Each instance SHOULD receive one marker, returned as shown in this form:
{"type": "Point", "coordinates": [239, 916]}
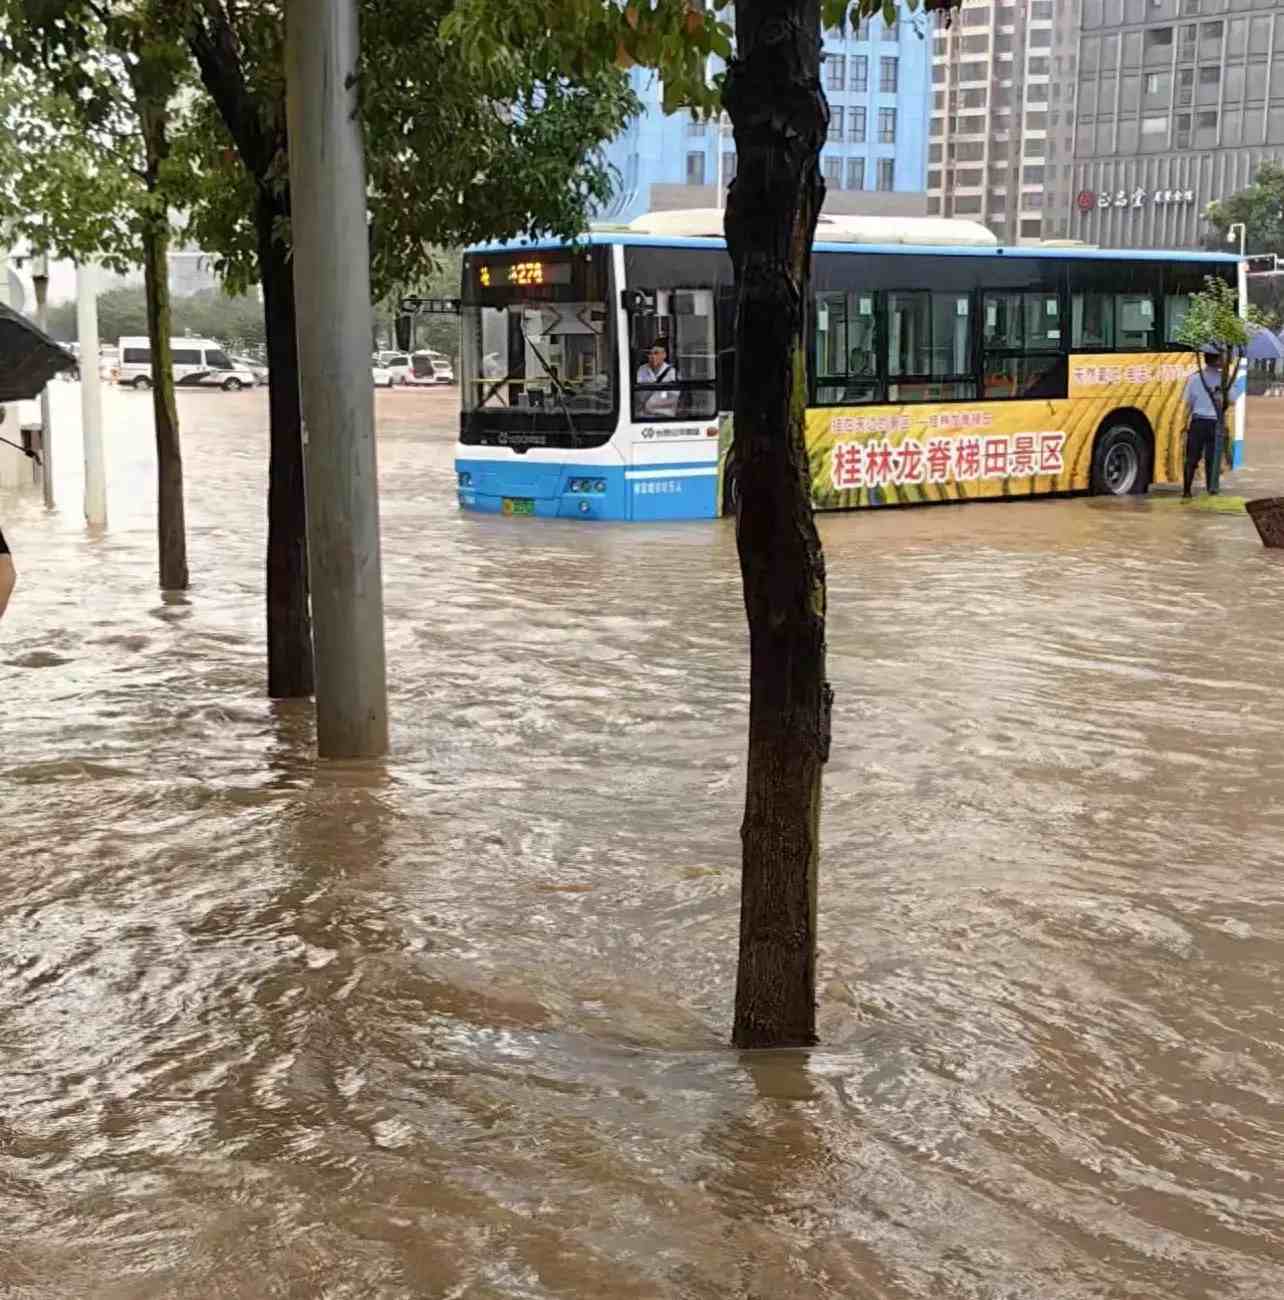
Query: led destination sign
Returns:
{"type": "Point", "coordinates": [501, 275]}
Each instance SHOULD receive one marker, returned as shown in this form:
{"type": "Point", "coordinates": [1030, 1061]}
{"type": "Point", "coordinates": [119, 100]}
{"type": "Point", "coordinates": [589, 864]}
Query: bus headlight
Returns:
{"type": "Point", "coordinates": [581, 485]}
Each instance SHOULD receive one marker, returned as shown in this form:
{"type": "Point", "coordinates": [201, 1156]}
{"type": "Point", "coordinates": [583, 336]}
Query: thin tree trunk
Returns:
{"type": "Point", "coordinates": [171, 521]}
{"type": "Point", "coordinates": [289, 624]}
{"type": "Point", "coordinates": [260, 141]}
{"type": "Point", "coordinates": [780, 118]}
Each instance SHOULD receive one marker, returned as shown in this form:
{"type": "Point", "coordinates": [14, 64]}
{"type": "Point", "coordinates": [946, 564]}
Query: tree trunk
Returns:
{"type": "Point", "coordinates": [289, 624]}
{"type": "Point", "coordinates": [171, 522]}
{"type": "Point", "coordinates": [780, 118]}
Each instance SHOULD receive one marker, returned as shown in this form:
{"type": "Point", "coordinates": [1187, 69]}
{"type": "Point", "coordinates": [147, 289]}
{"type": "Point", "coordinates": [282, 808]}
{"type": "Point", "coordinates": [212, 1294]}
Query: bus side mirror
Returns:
{"type": "Point", "coordinates": [402, 327]}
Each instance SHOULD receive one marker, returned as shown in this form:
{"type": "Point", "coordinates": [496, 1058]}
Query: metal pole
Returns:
{"type": "Point", "coordinates": [91, 398]}
{"type": "Point", "coordinates": [40, 278]}
{"type": "Point", "coordinates": [332, 296]}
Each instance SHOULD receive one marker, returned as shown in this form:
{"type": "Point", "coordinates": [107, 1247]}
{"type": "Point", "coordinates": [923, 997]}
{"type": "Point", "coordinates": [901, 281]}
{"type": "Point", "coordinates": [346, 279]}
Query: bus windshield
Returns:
{"type": "Point", "coordinates": [538, 341]}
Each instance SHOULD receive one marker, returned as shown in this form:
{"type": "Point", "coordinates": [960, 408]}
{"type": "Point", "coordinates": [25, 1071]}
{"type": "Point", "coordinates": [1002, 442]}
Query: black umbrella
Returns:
{"type": "Point", "coordinates": [29, 358]}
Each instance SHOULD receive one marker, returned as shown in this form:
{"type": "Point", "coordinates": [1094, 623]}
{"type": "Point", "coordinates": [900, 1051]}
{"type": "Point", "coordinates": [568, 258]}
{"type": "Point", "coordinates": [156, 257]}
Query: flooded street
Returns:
{"type": "Point", "coordinates": [455, 1025]}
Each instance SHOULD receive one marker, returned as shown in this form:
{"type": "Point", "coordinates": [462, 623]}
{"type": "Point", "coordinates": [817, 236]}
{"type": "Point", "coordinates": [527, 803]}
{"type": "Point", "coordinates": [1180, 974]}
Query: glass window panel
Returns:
{"type": "Point", "coordinates": [1134, 320]}
{"type": "Point", "coordinates": [1092, 321]}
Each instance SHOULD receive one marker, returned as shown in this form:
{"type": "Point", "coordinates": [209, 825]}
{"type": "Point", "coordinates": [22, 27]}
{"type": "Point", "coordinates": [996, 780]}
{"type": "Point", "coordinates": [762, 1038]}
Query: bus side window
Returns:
{"type": "Point", "coordinates": [726, 339]}
{"type": "Point", "coordinates": [1021, 334]}
{"type": "Point", "coordinates": [846, 338]}
{"type": "Point", "coordinates": [1176, 307]}
{"type": "Point", "coordinates": [1093, 321]}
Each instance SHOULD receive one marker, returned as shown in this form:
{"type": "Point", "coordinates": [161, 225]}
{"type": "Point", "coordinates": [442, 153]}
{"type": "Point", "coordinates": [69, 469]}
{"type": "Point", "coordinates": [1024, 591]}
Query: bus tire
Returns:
{"type": "Point", "coordinates": [730, 490]}
{"type": "Point", "coordinates": [232, 385]}
{"type": "Point", "coordinates": [1121, 459]}
{"type": "Point", "coordinates": [142, 383]}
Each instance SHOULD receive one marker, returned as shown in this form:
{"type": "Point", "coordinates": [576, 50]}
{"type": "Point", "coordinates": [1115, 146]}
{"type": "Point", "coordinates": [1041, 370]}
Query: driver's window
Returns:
{"type": "Point", "coordinates": [674, 357]}
{"type": "Point", "coordinates": [217, 359]}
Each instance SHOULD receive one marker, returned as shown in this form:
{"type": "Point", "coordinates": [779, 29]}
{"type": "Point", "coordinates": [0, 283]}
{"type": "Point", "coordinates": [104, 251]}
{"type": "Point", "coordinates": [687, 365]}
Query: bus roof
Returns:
{"type": "Point", "coordinates": [608, 237]}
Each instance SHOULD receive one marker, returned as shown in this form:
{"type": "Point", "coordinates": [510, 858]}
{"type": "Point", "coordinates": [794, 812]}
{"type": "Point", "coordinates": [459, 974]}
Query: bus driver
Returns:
{"type": "Point", "coordinates": [655, 370]}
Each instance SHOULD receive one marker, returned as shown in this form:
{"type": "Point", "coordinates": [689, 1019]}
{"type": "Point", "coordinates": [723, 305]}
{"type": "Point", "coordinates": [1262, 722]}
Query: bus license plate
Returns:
{"type": "Point", "coordinates": [519, 505]}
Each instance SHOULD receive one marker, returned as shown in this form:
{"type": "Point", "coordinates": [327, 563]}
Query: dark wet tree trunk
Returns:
{"type": "Point", "coordinates": [780, 118]}
{"type": "Point", "coordinates": [260, 140]}
{"type": "Point", "coordinates": [288, 619]}
{"type": "Point", "coordinates": [170, 516]}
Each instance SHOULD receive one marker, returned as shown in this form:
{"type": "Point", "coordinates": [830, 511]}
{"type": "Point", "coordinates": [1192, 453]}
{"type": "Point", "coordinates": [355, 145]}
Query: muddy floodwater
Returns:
{"type": "Point", "coordinates": [454, 1025]}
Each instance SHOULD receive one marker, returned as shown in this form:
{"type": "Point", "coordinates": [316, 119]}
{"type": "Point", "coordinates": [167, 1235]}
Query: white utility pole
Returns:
{"type": "Point", "coordinates": [91, 398]}
{"type": "Point", "coordinates": [332, 298]}
{"type": "Point", "coordinates": [40, 278]}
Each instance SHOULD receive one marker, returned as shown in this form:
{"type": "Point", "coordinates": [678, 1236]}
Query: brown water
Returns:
{"type": "Point", "coordinates": [454, 1025]}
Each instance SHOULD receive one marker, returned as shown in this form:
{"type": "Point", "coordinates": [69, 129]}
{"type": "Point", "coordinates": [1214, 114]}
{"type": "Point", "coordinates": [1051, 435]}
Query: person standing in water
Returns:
{"type": "Point", "coordinates": [1203, 441]}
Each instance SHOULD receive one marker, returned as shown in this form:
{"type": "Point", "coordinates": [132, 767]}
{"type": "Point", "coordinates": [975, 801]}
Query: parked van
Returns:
{"type": "Point", "coordinates": [198, 363]}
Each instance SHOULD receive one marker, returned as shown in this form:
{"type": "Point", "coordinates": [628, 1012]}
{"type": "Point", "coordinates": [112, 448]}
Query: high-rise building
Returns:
{"type": "Point", "coordinates": [876, 80]}
{"type": "Point", "coordinates": [1178, 102]}
{"type": "Point", "coordinates": [1002, 122]}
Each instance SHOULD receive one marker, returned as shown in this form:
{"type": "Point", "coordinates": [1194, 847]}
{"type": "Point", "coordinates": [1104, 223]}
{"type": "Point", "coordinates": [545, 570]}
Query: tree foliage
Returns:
{"type": "Point", "coordinates": [74, 183]}
{"type": "Point", "coordinates": [1261, 209]}
{"type": "Point", "coordinates": [1214, 321]}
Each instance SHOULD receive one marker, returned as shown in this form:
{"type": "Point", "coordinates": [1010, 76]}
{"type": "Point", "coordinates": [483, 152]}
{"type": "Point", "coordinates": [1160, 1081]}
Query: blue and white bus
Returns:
{"type": "Point", "coordinates": [942, 367]}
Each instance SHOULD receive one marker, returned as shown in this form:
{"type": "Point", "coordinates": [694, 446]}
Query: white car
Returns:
{"type": "Point", "coordinates": [382, 376]}
{"type": "Point", "coordinates": [398, 364]}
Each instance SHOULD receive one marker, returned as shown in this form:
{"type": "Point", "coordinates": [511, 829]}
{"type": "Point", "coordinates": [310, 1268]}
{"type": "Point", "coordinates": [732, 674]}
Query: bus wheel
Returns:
{"type": "Point", "coordinates": [1119, 460]}
{"type": "Point", "coordinates": [232, 385]}
{"type": "Point", "coordinates": [142, 383]}
{"type": "Point", "coordinates": [730, 490]}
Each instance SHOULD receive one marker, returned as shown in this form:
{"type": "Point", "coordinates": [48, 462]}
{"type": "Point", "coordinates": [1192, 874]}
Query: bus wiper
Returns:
{"type": "Point", "coordinates": [557, 386]}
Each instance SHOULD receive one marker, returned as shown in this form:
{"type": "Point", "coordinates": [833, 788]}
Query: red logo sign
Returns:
{"type": "Point", "coordinates": [1087, 200]}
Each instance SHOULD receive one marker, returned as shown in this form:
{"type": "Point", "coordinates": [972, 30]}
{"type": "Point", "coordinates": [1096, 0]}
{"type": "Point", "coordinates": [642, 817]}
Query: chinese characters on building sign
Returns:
{"type": "Point", "coordinates": [1138, 198]}
{"type": "Point", "coordinates": [878, 463]}
{"type": "Point", "coordinates": [1129, 374]}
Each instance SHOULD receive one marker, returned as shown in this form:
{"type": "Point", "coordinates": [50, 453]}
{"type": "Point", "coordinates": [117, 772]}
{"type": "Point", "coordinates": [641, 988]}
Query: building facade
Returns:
{"type": "Point", "coordinates": [1001, 148]}
{"type": "Point", "coordinates": [876, 81]}
{"type": "Point", "coordinates": [1178, 103]}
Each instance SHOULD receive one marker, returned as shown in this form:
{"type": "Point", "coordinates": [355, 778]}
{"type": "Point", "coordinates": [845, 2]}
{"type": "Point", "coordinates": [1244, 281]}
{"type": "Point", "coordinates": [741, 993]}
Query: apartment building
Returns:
{"type": "Point", "coordinates": [1178, 103]}
{"type": "Point", "coordinates": [1001, 146]}
{"type": "Point", "coordinates": [876, 80]}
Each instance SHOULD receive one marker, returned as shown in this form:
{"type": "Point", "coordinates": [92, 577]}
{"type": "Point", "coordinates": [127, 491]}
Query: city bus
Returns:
{"type": "Point", "coordinates": [942, 367]}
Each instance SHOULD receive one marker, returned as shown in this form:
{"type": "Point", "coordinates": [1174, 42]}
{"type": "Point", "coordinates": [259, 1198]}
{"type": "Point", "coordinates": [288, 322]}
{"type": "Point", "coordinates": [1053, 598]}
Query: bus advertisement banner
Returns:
{"type": "Point", "coordinates": [919, 452]}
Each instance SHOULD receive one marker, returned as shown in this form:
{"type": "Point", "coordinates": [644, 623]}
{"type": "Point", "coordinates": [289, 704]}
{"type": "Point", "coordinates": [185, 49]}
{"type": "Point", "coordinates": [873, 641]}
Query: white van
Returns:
{"type": "Point", "coordinates": [198, 363]}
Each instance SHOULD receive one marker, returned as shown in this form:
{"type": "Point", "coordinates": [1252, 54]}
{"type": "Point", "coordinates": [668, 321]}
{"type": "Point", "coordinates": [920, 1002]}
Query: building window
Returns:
{"type": "Point", "coordinates": [860, 72]}
{"type": "Point", "coordinates": [886, 126]}
{"type": "Point", "coordinates": [1159, 41]}
{"type": "Point", "coordinates": [1032, 228]}
{"type": "Point", "coordinates": [835, 72]}
{"type": "Point", "coordinates": [695, 169]}
{"type": "Point", "coordinates": [887, 75]}
{"type": "Point", "coordinates": [1182, 134]}
{"type": "Point", "coordinates": [833, 171]}
{"type": "Point", "coordinates": [855, 173]}
{"type": "Point", "coordinates": [835, 123]}
{"type": "Point", "coordinates": [886, 173]}
{"type": "Point", "coordinates": [695, 126]}
{"type": "Point", "coordinates": [856, 125]}
{"type": "Point", "coordinates": [891, 31]}
{"type": "Point", "coordinates": [1190, 8]}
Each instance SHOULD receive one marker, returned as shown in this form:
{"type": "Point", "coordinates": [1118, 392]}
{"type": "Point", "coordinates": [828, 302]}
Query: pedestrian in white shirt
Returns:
{"type": "Point", "coordinates": [1203, 441]}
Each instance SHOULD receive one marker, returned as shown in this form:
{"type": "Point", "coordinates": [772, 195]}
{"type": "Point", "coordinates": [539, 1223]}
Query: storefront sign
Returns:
{"type": "Point", "coordinates": [1138, 198]}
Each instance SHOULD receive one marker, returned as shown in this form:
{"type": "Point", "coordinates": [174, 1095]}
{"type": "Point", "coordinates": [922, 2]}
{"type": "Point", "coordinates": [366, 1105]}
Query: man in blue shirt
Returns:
{"type": "Point", "coordinates": [1204, 398]}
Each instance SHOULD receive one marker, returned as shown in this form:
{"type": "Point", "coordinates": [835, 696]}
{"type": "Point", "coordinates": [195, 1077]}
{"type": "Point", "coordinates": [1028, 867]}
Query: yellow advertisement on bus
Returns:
{"type": "Point", "coordinates": [963, 450]}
